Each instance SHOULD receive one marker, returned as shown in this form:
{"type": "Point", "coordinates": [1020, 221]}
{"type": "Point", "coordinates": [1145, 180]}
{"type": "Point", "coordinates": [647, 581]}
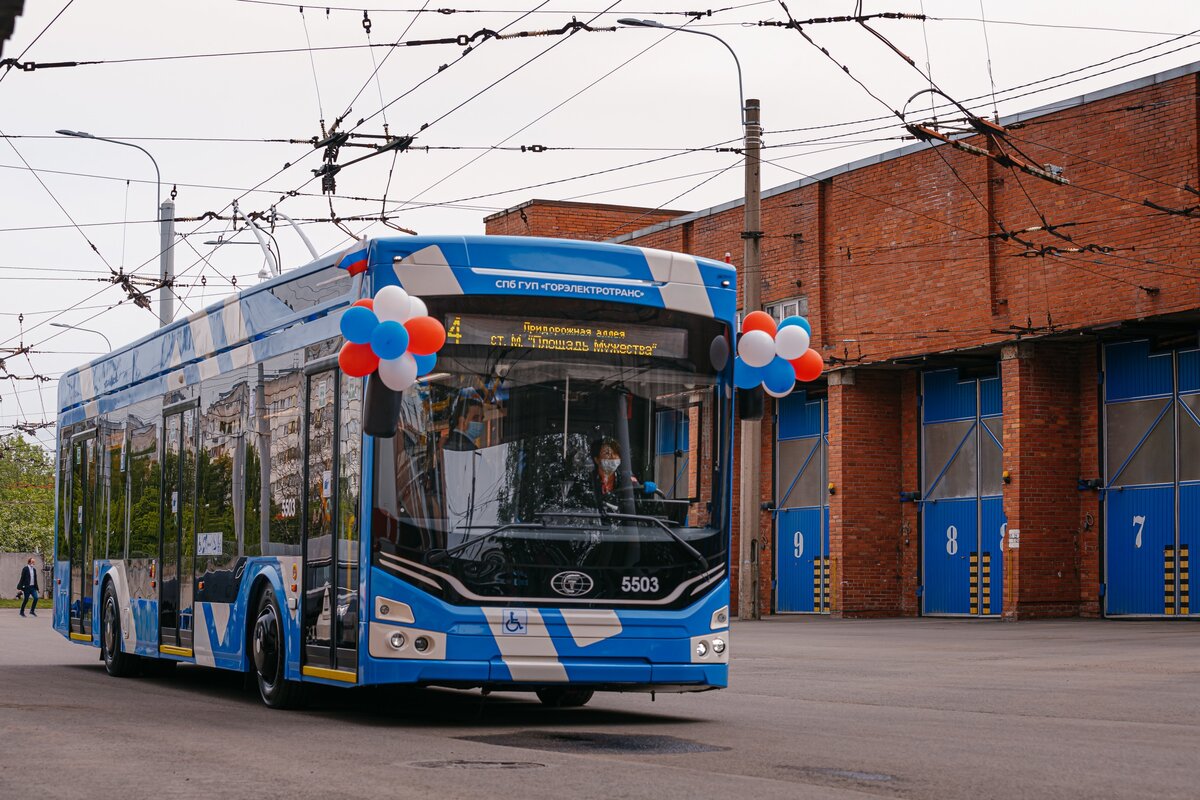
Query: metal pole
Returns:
{"type": "Point", "coordinates": [750, 482]}
{"type": "Point", "coordinates": [166, 260]}
{"type": "Point", "coordinates": [166, 224]}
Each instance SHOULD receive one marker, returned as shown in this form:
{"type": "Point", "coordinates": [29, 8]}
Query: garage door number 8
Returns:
{"type": "Point", "coordinates": [951, 540]}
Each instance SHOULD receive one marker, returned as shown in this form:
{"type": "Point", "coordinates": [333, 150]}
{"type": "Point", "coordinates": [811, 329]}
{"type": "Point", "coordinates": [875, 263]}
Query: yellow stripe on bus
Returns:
{"type": "Point", "coordinates": [345, 676]}
{"type": "Point", "coordinates": [171, 650]}
{"type": "Point", "coordinates": [81, 637]}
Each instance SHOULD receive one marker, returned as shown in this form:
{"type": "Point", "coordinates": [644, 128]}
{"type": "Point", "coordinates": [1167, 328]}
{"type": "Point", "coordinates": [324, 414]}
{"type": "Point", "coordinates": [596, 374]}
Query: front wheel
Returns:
{"type": "Point", "coordinates": [268, 650]}
{"type": "Point", "coordinates": [564, 696]}
{"type": "Point", "coordinates": [117, 663]}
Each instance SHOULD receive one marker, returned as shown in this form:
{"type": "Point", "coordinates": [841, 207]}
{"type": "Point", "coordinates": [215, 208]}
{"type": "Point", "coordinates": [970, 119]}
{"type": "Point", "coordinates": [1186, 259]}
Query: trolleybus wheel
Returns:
{"type": "Point", "coordinates": [564, 696]}
{"type": "Point", "coordinates": [269, 650]}
{"type": "Point", "coordinates": [118, 664]}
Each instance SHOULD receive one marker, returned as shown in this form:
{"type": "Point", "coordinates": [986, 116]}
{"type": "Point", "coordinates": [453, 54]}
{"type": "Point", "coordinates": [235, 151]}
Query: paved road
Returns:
{"type": "Point", "coordinates": [819, 708]}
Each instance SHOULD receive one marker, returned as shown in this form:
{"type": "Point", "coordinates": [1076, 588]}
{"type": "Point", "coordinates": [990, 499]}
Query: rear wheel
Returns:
{"type": "Point", "coordinates": [268, 650]}
{"type": "Point", "coordinates": [117, 663]}
{"type": "Point", "coordinates": [564, 696]}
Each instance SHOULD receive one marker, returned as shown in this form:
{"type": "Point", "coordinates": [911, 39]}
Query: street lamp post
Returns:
{"type": "Point", "coordinates": [78, 328]}
{"type": "Point", "coordinates": [166, 228]}
{"type": "Point", "coordinates": [750, 482]}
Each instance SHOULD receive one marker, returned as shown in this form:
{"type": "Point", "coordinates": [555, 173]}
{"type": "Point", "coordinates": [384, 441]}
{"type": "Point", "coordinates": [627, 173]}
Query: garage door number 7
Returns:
{"type": "Point", "coordinates": [1139, 522]}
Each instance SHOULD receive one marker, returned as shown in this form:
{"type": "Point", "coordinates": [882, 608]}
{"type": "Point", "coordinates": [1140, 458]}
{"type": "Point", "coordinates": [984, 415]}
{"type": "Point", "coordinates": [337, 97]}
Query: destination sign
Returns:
{"type": "Point", "coordinates": [604, 338]}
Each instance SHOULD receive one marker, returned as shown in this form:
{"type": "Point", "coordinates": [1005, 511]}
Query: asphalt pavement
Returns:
{"type": "Point", "coordinates": [818, 708]}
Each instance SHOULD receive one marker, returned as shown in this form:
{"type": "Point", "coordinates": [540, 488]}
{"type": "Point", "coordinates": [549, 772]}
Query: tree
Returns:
{"type": "Point", "coordinates": [26, 497]}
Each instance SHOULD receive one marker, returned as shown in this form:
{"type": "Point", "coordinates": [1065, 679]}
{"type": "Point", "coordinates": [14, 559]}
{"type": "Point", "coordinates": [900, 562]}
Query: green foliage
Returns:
{"type": "Point", "coordinates": [26, 497]}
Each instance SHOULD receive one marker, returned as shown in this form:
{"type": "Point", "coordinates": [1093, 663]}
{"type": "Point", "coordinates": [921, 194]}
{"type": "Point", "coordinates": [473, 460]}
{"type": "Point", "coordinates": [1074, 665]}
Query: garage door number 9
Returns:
{"type": "Point", "coordinates": [798, 544]}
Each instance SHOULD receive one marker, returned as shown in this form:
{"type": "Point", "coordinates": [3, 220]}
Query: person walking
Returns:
{"type": "Point", "coordinates": [28, 585]}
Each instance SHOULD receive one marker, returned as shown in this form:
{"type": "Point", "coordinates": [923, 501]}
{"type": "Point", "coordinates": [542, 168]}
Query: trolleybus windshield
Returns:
{"type": "Point", "coordinates": [558, 460]}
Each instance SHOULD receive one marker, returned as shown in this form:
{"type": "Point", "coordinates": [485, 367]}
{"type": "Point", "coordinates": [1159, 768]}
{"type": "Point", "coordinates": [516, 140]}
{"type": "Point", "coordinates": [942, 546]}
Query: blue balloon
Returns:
{"type": "Point", "coordinates": [358, 323]}
{"type": "Point", "coordinates": [390, 339]}
{"type": "Point", "coordinates": [794, 320]}
{"type": "Point", "coordinates": [778, 376]}
{"type": "Point", "coordinates": [746, 376]}
{"type": "Point", "coordinates": [425, 364]}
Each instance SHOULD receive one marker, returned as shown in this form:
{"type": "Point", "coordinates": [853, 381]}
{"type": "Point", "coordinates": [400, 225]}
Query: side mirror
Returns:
{"type": "Point", "coordinates": [381, 409]}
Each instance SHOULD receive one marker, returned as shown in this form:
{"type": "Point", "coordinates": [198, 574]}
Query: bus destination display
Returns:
{"type": "Point", "coordinates": [605, 338]}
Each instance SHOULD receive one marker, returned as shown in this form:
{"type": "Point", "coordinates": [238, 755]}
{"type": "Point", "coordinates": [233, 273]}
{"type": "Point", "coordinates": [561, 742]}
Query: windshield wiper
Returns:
{"type": "Point", "coordinates": [435, 557]}
{"type": "Point", "coordinates": [693, 552]}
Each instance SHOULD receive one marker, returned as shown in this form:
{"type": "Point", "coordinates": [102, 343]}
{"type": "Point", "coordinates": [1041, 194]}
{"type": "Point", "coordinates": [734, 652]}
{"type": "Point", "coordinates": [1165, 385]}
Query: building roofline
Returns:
{"type": "Point", "coordinates": [577, 204]}
{"type": "Point", "coordinates": [880, 158]}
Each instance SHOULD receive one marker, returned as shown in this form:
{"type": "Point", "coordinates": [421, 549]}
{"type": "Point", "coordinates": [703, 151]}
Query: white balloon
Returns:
{"type": "Point", "coordinates": [791, 342]}
{"type": "Point", "coordinates": [718, 352]}
{"type": "Point", "coordinates": [776, 394]}
{"type": "Point", "coordinates": [398, 373]}
{"type": "Point", "coordinates": [416, 307]}
{"type": "Point", "coordinates": [392, 303]}
{"type": "Point", "coordinates": [756, 348]}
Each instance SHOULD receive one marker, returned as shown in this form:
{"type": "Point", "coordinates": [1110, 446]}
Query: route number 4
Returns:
{"type": "Point", "coordinates": [1139, 522]}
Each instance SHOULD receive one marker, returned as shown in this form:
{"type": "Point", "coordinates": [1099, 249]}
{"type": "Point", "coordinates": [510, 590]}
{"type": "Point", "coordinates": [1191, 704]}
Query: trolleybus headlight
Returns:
{"type": "Point", "coordinates": [701, 649]}
{"type": "Point", "coordinates": [396, 640]}
{"type": "Point", "coordinates": [718, 646]}
{"type": "Point", "coordinates": [421, 644]}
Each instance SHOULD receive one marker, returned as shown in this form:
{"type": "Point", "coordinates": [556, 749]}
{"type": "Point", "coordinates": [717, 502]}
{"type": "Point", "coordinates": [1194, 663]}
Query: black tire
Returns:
{"type": "Point", "coordinates": [564, 696]}
{"type": "Point", "coordinates": [117, 663]}
{"type": "Point", "coordinates": [268, 655]}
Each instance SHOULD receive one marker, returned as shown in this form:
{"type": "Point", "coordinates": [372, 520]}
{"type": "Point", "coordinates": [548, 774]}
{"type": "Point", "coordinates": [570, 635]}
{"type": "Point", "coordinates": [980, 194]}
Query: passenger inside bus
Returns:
{"type": "Point", "coordinates": [466, 421]}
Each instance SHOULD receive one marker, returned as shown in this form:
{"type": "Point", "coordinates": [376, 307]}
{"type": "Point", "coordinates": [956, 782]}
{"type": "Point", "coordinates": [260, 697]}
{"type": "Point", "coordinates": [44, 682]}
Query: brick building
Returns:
{"type": "Point", "coordinates": [1010, 422]}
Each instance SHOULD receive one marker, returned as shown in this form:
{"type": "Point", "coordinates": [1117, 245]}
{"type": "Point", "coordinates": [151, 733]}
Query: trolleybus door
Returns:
{"type": "Point", "coordinates": [330, 547]}
{"type": "Point", "coordinates": [80, 523]}
{"type": "Point", "coordinates": [177, 551]}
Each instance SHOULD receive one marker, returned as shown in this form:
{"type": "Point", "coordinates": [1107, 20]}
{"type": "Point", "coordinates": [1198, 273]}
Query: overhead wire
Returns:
{"type": "Point", "coordinates": [37, 38]}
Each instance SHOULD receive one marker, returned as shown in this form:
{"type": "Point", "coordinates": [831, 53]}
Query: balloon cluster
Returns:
{"type": "Point", "coordinates": [775, 356]}
{"type": "Point", "coordinates": [394, 334]}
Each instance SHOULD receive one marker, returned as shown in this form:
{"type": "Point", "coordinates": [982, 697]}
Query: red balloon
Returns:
{"type": "Point", "coordinates": [808, 367]}
{"type": "Point", "coordinates": [759, 321]}
{"type": "Point", "coordinates": [366, 302]}
{"type": "Point", "coordinates": [425, 335]}
{"type": "Point", "coordinates": [357, 360]}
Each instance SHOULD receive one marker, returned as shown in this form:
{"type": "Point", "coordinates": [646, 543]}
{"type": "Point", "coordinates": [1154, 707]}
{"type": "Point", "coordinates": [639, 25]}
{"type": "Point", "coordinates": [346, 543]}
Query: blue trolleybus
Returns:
{"type": "Point", "coordinates": [547, 510]}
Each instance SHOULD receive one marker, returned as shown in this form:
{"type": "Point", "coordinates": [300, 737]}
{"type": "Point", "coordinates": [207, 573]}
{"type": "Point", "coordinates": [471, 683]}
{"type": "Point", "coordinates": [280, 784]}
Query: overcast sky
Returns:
{"type": "Point", "coordinates": [609, 99]}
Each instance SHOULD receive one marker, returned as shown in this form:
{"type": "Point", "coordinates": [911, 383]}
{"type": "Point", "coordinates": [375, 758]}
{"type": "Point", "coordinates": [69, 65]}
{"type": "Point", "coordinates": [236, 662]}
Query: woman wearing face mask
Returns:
{"type": "Point", "coordinates": [606, 454]}
{"type": "Point", "coordinates": [468, 424]}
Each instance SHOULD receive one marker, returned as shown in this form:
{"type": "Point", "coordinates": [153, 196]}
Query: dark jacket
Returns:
{"type": "Point", "coordinates": [25, 583]}
{"type": "Point", "coordinates": [460, 441]}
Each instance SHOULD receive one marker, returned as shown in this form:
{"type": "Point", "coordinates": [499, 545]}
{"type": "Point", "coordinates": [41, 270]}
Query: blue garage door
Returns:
{"type": "Point", "coordinates": [803, 577]}
{"type": "Point", "coordinates": [1152, 478]}
{"type": "Point", "coordinates": [962, 515]}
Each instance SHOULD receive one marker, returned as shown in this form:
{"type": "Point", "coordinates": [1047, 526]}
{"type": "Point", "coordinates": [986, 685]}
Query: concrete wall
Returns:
{"type": "Point", "coordinates": [11, 565]}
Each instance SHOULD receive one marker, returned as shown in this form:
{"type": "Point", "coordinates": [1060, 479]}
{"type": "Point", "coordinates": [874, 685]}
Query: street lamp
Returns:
{"type": "Point", "coordinates": [750, 486]}
{"type": "Point", "coordinates": [78, 328]}
{"type": "Point", "coordinates": [166, 227]}
{"type": "Point", "coordinates": [652, 23]}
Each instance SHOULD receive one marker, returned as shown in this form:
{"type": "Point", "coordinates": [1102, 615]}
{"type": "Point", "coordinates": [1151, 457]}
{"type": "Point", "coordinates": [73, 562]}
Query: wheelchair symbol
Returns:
{"type": "Point", "coordinates": [516, 623]}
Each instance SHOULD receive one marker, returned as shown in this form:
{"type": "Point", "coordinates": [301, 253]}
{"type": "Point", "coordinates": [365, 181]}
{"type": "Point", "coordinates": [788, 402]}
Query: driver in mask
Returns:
{"type": "Point", "coordinates": [606, 454]}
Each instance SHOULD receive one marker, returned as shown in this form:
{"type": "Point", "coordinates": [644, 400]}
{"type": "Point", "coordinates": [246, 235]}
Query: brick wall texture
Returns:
{"type": "Point", "coordinates": [937, 257]}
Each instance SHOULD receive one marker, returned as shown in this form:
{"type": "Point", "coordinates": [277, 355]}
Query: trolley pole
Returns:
{"type": "Point", "coordinates": [750, 479]}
